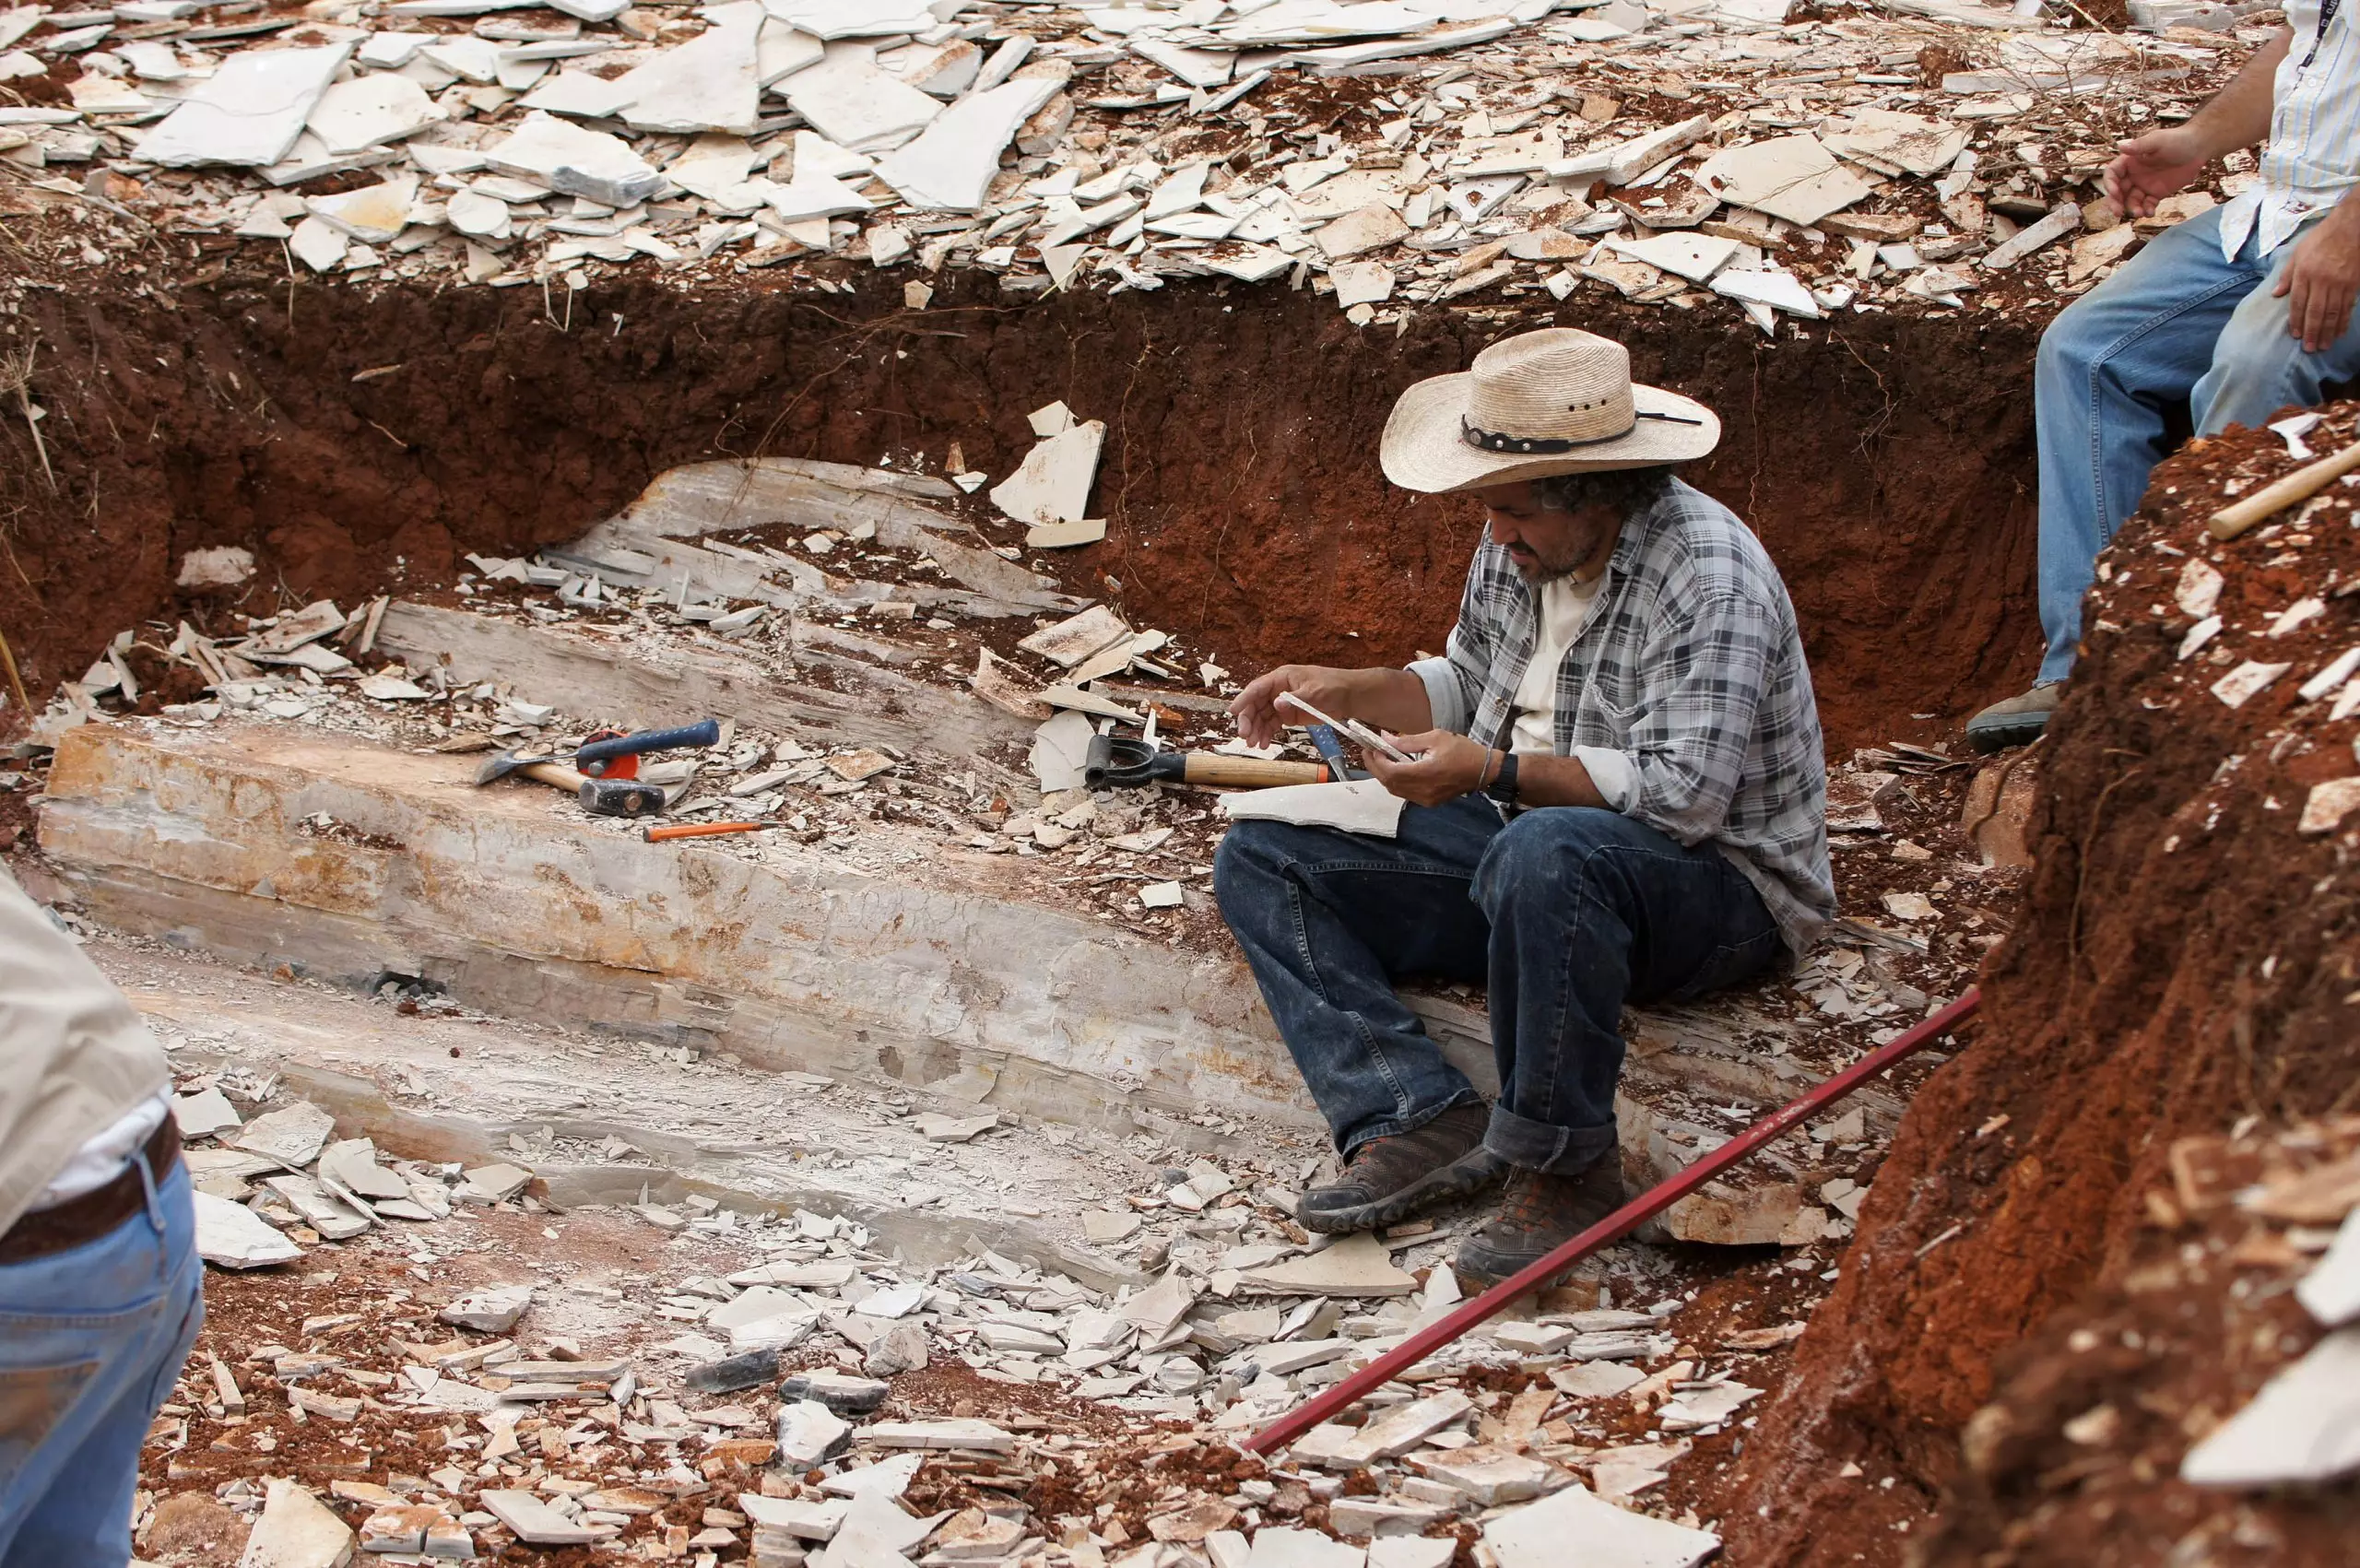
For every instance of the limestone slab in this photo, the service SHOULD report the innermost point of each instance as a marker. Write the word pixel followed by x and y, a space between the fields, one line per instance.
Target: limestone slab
pixel 855 105
pixel 853 18
pixel 204 1113
pixel 1053 482
pixel 1536 1536
pixel 577 161
pixel 229 1235
pixel 249 113
pixel 372 215
pixel 2304 1427
pixel 1360 806
pixel 2330 1291
pixel 1357 1265
pixel 949 165
pixel 1795 178
pixel 534 1523
pixel 296 1530
pixel 293 1135
pixel 369 110
pixel 709 83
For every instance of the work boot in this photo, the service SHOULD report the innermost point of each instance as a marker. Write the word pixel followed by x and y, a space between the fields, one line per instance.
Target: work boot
pixel 2016 722
pixel 1537 1214
pixel 1391 1178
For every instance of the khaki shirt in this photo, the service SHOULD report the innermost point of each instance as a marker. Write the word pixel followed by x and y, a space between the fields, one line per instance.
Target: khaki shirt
pixel 73 1056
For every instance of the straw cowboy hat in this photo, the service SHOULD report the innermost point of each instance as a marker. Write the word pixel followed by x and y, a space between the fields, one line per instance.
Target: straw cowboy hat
pixel 1557 401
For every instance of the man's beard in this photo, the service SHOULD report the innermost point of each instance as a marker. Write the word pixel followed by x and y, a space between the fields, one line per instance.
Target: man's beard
pixel 1544 570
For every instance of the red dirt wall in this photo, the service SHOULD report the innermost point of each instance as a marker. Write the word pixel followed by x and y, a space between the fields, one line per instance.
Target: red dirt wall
pixel 2184 958
pixel 1884 461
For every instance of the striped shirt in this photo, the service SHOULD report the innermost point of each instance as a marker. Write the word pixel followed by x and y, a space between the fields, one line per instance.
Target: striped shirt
pixel 2313 154
pixel 1692 667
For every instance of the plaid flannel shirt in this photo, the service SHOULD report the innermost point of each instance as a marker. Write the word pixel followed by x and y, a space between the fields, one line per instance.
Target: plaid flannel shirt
pixel 1691 667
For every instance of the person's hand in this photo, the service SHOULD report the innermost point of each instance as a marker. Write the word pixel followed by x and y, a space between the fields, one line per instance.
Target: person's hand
pixel 1260 717
pixel 2321 278
pixel 1448 766
pixel 2151 167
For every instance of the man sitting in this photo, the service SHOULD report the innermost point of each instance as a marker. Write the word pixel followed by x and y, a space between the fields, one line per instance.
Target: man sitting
pixel 2242 310
pixel 1618 795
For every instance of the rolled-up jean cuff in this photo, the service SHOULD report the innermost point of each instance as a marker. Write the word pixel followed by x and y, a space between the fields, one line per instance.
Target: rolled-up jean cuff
pixel 1393 1126
pixel 1541 1146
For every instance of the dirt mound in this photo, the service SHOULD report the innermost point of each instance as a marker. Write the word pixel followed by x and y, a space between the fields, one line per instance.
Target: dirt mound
pixel 360 442
pixel 2185 960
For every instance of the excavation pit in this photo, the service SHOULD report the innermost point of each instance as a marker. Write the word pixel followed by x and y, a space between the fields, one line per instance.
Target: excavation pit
pixel 679 456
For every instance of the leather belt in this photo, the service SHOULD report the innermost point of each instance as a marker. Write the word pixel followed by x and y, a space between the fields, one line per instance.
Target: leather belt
pixel 92 1215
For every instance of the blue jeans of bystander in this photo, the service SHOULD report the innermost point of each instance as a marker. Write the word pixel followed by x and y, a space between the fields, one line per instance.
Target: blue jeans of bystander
pixel 91 1342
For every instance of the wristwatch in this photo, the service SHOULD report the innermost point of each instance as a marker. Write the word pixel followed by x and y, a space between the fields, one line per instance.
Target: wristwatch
pixel 1502 788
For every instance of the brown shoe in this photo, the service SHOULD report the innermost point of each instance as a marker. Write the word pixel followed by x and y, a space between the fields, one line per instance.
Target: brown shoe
pixel 2019 721
pixel 1391 1178
pixel 1537 1214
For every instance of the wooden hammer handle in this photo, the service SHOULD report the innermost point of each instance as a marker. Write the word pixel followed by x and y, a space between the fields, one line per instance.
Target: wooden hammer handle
pixel 1250 773
pixel 700 830
pixel 2300 484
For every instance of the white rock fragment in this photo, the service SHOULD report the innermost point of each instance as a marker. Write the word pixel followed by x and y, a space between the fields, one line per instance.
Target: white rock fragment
pixel 576 161
pixel 536 1522
pixel 2304 1427
pixel 230 1235
pixel 2197 590
pixel 2327 805
pixel 1060 750
pixel 492 1311
pixel 810 1433
pixel 296 1530
pixel 1356 1265
pixel 1053 483
pixel 1279 1546
pixel 220 566
pixel 852 103
pixel 249 112
pixel 2242 684
pixel 372 215
pixel 2330 1291
pixel 709 83
pixel 369 110
pixel 1535 1536
pixel 317 244
pixel 1795 178
pixel 293 1136
pixel 949 167
pixel 1358 806
pixel 204 1113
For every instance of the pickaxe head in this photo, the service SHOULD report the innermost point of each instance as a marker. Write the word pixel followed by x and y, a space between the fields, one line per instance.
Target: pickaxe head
pixel 499 764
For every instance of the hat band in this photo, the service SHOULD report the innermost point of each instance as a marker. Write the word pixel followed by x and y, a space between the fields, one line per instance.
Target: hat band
pixel 1494 441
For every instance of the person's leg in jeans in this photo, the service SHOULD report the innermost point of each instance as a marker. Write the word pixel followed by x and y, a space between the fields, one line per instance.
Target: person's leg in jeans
pixel 91 1340
pixel 1589 909
pixel 2258 367
pixel 1328 921
pixel 2109 367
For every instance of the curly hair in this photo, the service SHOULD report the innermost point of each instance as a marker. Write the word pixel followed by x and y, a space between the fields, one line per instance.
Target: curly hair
pixel 1626 490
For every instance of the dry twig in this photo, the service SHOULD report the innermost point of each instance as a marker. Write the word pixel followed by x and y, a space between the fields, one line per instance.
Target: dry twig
pixel 17 376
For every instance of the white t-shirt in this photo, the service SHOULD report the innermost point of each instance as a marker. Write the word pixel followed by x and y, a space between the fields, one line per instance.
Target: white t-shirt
pixel 1566 610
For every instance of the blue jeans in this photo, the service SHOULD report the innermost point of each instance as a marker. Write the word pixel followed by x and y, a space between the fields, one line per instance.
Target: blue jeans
pixel 2175 320
pixel 1562 914
pixel 91 1340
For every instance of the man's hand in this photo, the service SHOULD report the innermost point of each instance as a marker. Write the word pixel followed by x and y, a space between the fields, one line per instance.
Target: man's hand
pixel 1448 766
pixel 1260 717
pixel 2321 278
pixel 2151 167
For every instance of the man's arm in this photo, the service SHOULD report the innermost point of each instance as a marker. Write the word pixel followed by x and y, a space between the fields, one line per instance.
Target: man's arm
pixel 1388 699
pixel 1450 765
pixel 2162 162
